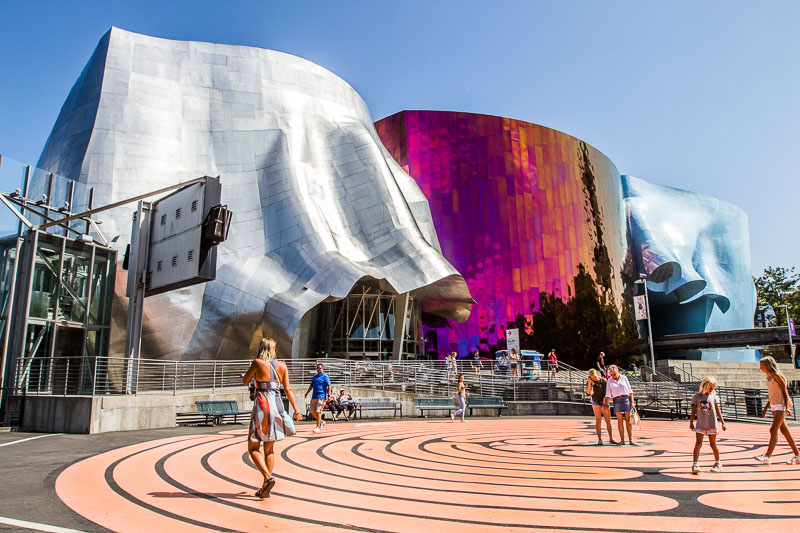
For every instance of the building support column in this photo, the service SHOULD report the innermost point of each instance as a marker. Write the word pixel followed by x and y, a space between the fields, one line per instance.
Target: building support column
pixel 400 312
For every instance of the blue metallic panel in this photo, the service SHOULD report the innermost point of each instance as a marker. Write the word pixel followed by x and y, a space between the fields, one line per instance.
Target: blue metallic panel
pixel 695 251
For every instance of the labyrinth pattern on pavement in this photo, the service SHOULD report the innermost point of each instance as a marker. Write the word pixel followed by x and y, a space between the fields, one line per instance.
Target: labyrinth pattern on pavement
pixel 430 475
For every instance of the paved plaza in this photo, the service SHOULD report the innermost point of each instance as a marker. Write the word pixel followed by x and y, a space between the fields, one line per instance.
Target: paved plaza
pixel 533 474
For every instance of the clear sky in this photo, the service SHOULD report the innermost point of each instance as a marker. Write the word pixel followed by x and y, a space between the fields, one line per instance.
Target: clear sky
pixel 703 96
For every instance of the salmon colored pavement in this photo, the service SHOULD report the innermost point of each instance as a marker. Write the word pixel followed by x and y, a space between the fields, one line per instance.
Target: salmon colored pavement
pixel 429 475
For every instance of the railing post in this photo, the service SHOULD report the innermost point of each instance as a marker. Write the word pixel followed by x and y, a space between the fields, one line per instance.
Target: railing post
pixel 175 382
pixel 138 366
pixel 214 379
pixel 222 376
pixel 66 378
pixel 194 371
pixel 383 383
pixel 163 377
pixel 94 377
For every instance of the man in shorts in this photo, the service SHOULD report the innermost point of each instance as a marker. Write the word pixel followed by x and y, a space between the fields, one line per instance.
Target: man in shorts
pixel 321 387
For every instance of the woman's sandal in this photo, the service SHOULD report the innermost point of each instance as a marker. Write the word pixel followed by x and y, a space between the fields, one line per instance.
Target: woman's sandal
pixel 265 489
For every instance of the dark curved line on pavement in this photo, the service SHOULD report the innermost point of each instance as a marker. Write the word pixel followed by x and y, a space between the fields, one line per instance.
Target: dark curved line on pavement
pixel 109 478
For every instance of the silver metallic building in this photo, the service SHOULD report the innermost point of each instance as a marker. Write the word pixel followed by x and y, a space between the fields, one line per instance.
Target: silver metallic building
pixel 319 205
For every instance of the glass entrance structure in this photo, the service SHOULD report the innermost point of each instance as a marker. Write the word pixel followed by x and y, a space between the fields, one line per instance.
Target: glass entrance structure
pixel 56 288
pixel 68 285
pixel 364 324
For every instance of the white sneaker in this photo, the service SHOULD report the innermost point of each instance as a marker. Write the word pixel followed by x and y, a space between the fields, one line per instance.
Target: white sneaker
pixel 695 468
pixel 316 430
pixel 766 459
pixel 794 460
pixel 452 417
pixel 323 425
pixel 717 467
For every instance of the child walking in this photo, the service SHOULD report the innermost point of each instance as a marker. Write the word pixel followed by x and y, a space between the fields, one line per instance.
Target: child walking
pixel 705 406
pixel 779 402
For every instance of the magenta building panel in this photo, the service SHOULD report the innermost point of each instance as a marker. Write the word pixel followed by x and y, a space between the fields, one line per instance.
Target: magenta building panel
pixel 517 207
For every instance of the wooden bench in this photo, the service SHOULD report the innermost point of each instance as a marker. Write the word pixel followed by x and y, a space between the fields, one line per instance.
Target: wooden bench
pixel 368 404
pixel 486 402
pixel 433 404
pixel 447 404
pixel 378 404
pixel 212 412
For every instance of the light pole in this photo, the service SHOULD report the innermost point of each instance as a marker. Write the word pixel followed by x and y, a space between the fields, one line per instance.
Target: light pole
pixel 789 329
pixel 643 281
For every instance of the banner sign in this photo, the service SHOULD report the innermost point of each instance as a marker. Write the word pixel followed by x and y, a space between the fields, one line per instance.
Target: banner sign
pixel 512 339
pixel 640 306
pixel 791 326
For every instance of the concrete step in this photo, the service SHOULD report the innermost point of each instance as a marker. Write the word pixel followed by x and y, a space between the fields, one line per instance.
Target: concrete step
pixel 730 374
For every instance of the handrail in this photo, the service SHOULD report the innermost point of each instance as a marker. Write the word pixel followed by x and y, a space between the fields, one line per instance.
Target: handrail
pixel 79 376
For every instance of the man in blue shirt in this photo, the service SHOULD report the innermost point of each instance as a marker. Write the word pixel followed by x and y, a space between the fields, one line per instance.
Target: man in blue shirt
pixel 321 386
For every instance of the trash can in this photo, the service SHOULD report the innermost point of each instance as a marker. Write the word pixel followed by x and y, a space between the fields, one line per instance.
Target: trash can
pixel 752 401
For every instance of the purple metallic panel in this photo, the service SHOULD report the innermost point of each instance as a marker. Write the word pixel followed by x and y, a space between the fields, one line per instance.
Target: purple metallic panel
pixel 517 207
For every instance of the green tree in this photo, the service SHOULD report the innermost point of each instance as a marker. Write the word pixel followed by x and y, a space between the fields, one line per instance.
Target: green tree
pixel 583 326
pixel 779 286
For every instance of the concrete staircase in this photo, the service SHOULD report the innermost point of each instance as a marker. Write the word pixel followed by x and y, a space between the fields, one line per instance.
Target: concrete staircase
pixel 727 374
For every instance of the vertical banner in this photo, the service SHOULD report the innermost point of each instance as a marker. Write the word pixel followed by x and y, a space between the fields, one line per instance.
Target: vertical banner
pixel 791 327
pixel 512 339
pixel 640 306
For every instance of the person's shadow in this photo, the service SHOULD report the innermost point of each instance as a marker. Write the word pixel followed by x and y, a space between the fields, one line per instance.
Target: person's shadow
pixel 208 495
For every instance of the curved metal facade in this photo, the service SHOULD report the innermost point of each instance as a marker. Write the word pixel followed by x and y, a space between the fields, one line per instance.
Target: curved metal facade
pixel 517 208
pixel 695 251
pixel 318 202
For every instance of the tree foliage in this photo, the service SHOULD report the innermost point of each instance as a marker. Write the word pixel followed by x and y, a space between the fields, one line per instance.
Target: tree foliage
pixel 779 286
pixel 581 327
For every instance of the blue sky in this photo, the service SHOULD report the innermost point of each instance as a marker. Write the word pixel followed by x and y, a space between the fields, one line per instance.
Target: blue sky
pixel 703 96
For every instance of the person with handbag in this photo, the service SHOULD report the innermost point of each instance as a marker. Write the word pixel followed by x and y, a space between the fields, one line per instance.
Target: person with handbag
pixel 596 388
pixel 461 398
pixel 620 395
pixel 268 421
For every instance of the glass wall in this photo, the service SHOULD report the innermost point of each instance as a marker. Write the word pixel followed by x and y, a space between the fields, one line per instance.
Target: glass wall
pixel 43 194
pixel 69 314
pixel 362 324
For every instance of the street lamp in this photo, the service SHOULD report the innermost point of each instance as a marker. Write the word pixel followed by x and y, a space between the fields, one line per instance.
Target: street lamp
pixel 789 329
pixel 643 281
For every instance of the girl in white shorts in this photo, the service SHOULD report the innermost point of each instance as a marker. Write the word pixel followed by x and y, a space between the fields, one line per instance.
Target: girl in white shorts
pixel 780 402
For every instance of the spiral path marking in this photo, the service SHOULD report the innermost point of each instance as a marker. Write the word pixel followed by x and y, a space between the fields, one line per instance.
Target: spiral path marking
pixel 433 475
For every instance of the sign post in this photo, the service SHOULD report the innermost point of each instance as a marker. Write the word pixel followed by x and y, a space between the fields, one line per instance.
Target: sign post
pixel 642 305
pixel 512 339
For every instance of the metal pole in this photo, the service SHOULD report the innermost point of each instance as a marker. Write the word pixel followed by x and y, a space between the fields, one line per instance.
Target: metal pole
pixel 649 329
pixel 789 330
pixel 94 377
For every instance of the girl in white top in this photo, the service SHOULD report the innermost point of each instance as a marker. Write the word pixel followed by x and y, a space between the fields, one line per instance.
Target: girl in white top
pixel 461 396
pixel 620 394
pixel 780 402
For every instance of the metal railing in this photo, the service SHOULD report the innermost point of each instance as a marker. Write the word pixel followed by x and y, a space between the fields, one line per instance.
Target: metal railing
pixel 90 376
pixel 71 376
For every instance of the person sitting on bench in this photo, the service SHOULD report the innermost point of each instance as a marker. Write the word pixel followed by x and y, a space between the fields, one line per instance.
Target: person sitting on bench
pixel 333 406
pixel 346 404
